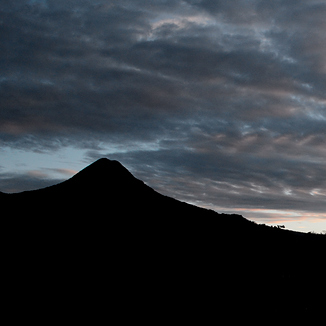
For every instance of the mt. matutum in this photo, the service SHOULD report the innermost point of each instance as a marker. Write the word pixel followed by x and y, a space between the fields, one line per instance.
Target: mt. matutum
pixel 105 244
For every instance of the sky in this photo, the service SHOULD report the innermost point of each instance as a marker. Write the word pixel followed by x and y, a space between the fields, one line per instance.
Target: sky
pixel 218 103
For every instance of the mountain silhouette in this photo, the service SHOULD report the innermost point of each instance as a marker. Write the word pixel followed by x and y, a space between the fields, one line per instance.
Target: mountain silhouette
pixel 105 234
pixel 107 183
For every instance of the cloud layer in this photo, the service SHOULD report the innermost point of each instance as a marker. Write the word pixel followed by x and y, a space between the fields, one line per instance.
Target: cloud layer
pixel 221 102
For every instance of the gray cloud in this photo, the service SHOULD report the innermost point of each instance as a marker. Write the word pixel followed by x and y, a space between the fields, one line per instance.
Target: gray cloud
pixel 31 180
pixel 214 100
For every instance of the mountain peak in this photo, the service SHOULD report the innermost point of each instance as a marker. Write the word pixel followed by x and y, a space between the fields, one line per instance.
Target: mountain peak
pixel 104 164
pixel 106 171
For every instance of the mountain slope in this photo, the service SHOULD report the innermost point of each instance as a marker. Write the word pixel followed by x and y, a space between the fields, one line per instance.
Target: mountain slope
pixel 104 186
pixel 106 189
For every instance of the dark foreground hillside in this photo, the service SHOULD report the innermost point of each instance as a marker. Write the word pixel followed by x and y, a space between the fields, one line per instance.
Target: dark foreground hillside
pixel 104 244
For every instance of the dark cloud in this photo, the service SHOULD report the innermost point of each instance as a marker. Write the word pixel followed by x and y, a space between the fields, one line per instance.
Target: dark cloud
pixel 229 180
pixel 31 180
pixel 222 101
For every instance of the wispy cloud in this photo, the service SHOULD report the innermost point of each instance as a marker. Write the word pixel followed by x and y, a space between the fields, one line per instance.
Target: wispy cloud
pixel 66 172
pixel 215 100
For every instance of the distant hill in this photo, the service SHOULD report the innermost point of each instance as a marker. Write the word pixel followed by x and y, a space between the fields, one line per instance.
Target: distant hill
pixel 105 235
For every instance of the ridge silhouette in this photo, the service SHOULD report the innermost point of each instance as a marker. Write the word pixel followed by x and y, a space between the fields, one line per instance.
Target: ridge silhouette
pixel 103 230
pixel 105 170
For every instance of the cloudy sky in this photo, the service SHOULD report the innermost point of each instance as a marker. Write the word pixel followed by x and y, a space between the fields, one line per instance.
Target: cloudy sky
pixel 218 103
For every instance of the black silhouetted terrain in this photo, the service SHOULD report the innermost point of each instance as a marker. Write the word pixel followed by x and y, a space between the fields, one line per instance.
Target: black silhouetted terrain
pixel 103 242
